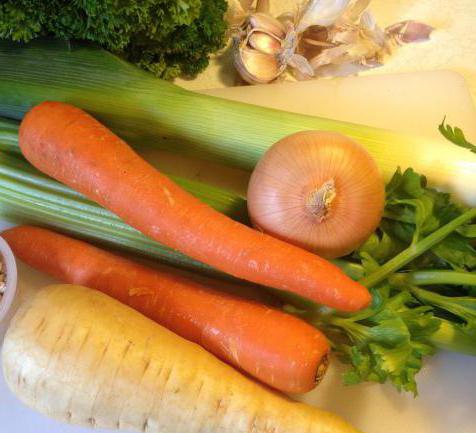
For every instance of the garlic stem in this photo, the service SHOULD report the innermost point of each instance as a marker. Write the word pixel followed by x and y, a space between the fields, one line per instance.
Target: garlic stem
pixel 262 6
pixel 319 201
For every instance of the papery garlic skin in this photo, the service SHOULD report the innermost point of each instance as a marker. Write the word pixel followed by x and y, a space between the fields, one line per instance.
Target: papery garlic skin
pixel 267 23
pixel 321 13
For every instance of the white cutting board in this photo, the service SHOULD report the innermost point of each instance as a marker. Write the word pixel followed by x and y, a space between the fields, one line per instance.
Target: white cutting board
pixel 412 102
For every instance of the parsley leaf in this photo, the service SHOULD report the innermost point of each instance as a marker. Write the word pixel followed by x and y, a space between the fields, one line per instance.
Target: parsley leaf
pixel 166 37
pixel 456 136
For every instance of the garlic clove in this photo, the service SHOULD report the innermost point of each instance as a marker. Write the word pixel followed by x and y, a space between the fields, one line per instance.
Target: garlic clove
pixel 256 67
pixel 266 23
pixel 313 41
pixel 333 55
pixel 264 42
pixel 301 64
pixel 316 33
pixel 409 31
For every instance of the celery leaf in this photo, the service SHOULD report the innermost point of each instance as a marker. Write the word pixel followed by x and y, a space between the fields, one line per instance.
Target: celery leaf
pixel 456 136
pixel 385 342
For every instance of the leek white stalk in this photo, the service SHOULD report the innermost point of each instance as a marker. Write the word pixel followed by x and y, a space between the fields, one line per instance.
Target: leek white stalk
pixel 148 112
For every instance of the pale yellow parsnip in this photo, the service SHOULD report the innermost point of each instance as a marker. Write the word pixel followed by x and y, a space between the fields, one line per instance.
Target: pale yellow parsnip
pixel 81 357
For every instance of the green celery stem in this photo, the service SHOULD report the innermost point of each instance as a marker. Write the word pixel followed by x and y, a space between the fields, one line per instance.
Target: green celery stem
pixel 351 269
pixel 452 337
pixel 415 250
pixel 9 135
pixel 29 197
pixel 430 277
pixel 224 201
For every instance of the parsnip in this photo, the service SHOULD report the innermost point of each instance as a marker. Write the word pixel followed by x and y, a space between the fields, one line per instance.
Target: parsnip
pixel 81 357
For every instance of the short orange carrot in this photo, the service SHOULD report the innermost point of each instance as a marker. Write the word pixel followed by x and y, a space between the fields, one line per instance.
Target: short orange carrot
pixel 276 348
pixel 74 148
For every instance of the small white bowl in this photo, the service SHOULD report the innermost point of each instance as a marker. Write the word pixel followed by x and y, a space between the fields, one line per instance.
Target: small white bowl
pixel 10 270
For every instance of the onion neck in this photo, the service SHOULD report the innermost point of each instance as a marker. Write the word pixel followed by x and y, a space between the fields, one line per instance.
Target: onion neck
pixel 318 202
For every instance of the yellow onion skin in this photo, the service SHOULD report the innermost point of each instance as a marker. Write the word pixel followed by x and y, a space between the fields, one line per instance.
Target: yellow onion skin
pixel 319 190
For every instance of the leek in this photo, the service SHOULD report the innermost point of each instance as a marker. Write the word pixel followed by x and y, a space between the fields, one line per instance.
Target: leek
pixel 148 112
pixel 29 197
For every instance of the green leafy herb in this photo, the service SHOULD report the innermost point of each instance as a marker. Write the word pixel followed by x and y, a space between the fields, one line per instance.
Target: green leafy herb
pixel 426 240
pixel 167 37
pixel 434 240
pixel 455 337
pixel 414 211
pixel 463 307
pixel 385 342
pixel 456 136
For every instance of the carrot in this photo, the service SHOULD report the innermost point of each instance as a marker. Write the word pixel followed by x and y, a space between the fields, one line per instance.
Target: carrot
pixel 81 357
pixel 276 348
pixel 71 146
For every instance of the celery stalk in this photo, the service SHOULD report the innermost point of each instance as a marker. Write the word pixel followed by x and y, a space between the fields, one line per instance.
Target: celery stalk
pixel 224 201
pixel 454 337
pixel 353 270
pixel 9 135
pixel 433 277
pixel 416 250
pixel 149 112
pixel 30 197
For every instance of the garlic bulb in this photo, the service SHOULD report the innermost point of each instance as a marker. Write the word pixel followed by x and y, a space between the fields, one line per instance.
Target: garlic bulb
pixel 318 190
pixel 258 56
pixel 322 38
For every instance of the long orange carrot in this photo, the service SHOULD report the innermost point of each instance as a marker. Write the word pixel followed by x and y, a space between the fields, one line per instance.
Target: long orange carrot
pixel 276 348
pixel 71 146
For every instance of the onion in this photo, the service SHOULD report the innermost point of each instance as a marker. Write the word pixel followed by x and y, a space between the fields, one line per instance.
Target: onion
pixel 319 190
